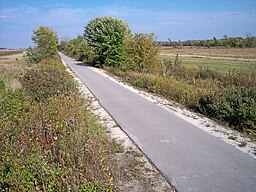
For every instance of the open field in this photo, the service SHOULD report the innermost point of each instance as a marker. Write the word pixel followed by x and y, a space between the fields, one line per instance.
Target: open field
pixel 11 66
pixel 238 53
pixel 6 52
pixel 221 65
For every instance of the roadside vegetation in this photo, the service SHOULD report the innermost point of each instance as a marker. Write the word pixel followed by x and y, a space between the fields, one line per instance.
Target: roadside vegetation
pixel 227 96
pixel 49 139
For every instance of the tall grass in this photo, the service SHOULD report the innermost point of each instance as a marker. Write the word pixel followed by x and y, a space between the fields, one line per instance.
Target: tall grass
pixel 229 98
pixel 49 141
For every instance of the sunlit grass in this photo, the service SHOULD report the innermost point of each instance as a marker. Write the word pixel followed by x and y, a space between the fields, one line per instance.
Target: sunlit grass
pixel 223 66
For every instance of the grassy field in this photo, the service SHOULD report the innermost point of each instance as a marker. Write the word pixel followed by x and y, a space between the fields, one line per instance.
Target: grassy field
pixel 221 65
pixel 245 53
pixel 6 52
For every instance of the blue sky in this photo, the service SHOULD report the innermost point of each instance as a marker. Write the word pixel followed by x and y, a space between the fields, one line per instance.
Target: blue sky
pixel 174 19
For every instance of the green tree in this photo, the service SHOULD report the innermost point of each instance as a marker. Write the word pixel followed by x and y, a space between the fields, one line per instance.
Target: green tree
pixel 72 46
pixel 215 42
pixel 46 41
pixel 249 40
pixel 225 41
pixel 141 52
pixel 106 37
pixel 63 43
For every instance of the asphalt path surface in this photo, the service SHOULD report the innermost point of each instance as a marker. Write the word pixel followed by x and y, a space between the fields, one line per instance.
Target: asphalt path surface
pixel 188 157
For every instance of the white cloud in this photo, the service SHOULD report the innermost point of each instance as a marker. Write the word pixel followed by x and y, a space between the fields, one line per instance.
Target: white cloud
pixel 3 17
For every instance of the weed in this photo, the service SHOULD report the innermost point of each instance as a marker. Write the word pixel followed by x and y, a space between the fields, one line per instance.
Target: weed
pixel 49 142
pixel 242 144
pixel 232 137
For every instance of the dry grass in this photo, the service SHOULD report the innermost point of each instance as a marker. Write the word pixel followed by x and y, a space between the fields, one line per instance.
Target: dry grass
pixel 11 66
pixel 243 53
pixel 6 52
pixel 221 65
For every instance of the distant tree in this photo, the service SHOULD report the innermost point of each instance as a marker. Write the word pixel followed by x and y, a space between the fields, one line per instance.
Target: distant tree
pixel 249 40
pixel 63 42
pixel 72 46
pixel 215 42
pixel 106 36
pixel 225 42
pixel 46 41
pixel 180 43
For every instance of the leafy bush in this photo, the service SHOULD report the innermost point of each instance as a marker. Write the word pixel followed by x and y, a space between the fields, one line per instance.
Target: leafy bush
pixel 79 49
pixel 141 52
pixel 33 55
pixel 49 142
pixel 43 83
pixel 2 87
pixel 11 105
pixel 237 106
pixel 85 53
pixel 105 35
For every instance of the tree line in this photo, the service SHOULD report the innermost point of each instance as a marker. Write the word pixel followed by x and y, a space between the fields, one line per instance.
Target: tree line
pixel 108 41
pixel 235 42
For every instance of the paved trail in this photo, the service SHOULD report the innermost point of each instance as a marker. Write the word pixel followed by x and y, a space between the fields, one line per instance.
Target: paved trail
pixel 191 159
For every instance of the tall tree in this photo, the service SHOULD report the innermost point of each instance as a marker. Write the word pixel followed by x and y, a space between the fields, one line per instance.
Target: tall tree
pixel 46 41
pixel 106 36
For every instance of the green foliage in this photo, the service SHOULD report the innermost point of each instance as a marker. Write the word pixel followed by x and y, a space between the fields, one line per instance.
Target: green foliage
pixel 2 86
pixel 34 55
pixel 235 106
pixel 79 49
pixel 11 104
pixel 43 83
pixel 229 98
pixel 84 52
pixel 106 37
pixel 141 51
pixel 49 142
pixel 46 41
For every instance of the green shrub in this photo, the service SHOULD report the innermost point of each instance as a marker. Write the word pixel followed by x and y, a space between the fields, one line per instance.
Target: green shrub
pixel 33 55
pixel 11 104
pixel 85 53
pixel 49 142
pixel 79 49
pixel 105 35
pixel 43 83
pixel 237 106
pixel 2 89
pixel 141 51
pixel 2 85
